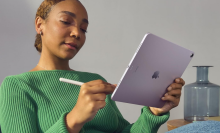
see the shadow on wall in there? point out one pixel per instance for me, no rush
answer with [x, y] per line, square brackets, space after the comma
[16, 24]
[16, 20]
[17, 36]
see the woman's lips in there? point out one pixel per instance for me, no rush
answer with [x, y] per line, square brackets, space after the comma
[71, 46]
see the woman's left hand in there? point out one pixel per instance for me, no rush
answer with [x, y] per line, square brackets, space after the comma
[172, 97]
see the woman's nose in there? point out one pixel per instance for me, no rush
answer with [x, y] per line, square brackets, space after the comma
[75, 33]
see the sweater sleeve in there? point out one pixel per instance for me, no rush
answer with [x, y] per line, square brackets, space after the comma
[146, 123]
[18, 112]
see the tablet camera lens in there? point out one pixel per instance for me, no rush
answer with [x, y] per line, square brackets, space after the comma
[192, 55]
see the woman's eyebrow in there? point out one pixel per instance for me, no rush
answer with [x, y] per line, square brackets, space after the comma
[68, 13]
[74, 16]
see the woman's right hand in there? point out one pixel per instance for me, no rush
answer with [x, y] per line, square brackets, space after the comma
[91, 98]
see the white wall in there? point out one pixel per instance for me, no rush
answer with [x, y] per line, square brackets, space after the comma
[115, 30]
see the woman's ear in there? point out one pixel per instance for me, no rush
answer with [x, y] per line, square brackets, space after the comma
[39, 24]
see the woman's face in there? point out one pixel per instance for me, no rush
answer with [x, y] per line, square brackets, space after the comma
[64, 32]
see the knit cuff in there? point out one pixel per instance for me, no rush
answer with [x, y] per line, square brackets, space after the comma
[148, 122]
[60, 126]
[154, 121]
[63, 125]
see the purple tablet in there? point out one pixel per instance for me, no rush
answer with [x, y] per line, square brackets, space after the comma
[154, 66]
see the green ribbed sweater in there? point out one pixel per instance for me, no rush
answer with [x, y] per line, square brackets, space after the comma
[37, 102]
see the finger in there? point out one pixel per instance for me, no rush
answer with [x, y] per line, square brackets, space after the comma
[95, 106]
[180, 81]
[175, 93]
[171, 99]
[115, 85]
[101, 104]
[99, 97]
[174, 86]
[96, 82]
[102, 88]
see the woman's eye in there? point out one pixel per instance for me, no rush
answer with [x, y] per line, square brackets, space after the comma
[85, 31]
[66, 23]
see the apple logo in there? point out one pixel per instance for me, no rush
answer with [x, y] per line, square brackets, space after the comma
[156, 75]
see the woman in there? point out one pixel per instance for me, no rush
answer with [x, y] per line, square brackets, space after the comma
[36, 101]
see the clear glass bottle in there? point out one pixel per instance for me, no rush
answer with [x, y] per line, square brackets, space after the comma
[201, 99]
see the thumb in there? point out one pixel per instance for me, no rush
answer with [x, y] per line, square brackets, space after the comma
[115, 85]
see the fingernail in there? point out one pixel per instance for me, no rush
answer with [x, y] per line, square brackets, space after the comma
[163, 98]
[166, 94]
[177, 80]
[113, 85]
[170, 88]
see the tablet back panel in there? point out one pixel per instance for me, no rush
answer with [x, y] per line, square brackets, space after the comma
[154, 66]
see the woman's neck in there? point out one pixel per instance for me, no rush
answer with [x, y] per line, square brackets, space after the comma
[49, 62]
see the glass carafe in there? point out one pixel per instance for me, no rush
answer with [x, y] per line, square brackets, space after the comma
[201, 99]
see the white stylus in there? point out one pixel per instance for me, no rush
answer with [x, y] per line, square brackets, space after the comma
[71, 81]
